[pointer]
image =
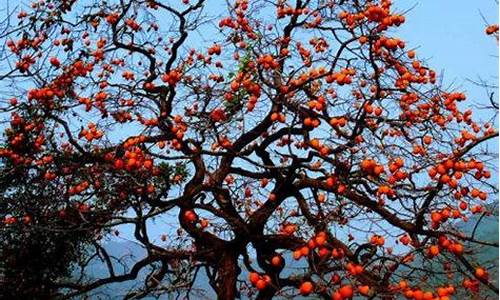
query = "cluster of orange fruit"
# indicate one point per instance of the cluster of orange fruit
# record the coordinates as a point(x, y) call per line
point(342, 77)
point(371, 167)
point(92, 133)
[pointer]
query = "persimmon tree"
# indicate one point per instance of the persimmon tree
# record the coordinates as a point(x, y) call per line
point(300, 143)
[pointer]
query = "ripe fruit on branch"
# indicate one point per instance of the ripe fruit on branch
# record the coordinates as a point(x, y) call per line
point(190, 216)
point(306, 288)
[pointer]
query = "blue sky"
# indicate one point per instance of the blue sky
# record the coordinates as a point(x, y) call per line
point(451, 35)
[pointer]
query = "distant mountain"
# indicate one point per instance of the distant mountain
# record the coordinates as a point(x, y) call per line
point(129, 253)
point(487, 230)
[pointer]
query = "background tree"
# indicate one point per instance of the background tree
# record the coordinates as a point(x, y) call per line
point(299, 133)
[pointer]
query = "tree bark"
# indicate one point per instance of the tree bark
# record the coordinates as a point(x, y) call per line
point(227, 275)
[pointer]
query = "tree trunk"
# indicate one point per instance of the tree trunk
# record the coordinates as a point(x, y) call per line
point(227, 274)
